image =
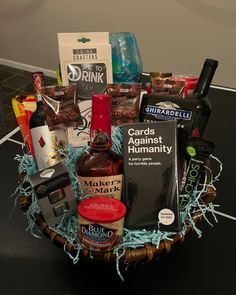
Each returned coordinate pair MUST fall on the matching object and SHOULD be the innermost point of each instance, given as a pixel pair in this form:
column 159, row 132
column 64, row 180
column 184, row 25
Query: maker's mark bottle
column 99, row 169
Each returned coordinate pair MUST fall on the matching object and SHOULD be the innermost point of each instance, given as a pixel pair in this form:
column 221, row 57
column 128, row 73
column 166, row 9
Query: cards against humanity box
column 52, row 187
column 150, row 173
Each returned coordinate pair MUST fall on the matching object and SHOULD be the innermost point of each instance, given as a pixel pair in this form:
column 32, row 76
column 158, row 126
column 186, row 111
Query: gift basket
column 114, row 171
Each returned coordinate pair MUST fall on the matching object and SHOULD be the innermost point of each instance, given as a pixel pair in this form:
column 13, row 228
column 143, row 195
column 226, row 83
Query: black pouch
column 200, row 151
column 164, row 108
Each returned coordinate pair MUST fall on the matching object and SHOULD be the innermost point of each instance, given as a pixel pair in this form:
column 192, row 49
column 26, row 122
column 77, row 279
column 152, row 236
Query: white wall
column 173, row 35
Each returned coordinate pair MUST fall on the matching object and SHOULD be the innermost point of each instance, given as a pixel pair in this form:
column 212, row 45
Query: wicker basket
column 147, row 253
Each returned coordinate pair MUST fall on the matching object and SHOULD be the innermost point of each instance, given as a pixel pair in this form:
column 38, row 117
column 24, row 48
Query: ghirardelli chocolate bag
column 164, row 108
column 85, row 59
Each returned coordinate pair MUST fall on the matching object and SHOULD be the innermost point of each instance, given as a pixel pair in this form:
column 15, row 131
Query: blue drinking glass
column 127, row 65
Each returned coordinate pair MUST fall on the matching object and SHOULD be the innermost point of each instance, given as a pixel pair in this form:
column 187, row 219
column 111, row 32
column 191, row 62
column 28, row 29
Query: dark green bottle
column 201, row 93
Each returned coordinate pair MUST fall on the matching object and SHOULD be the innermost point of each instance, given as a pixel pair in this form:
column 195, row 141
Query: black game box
column 151, row 191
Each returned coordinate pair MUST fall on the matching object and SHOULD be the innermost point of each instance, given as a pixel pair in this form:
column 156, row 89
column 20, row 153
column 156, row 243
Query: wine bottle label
column 109, row 186
column 46, row 145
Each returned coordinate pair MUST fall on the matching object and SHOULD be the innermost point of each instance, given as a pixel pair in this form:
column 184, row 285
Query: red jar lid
column 101, row 209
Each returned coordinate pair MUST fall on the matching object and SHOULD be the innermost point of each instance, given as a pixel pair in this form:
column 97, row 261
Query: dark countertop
column 198, row 266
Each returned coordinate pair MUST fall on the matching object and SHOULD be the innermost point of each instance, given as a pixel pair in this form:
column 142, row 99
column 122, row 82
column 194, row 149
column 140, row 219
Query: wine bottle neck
column 100, row 129
column 38, row 97
column 205, row 79
column 38, row 84
column 100, row 141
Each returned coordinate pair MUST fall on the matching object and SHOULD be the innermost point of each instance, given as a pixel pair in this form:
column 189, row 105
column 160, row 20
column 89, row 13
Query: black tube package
column 199, row 151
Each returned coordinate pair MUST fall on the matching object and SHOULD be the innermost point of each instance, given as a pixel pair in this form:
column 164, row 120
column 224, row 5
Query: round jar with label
column 101, row 221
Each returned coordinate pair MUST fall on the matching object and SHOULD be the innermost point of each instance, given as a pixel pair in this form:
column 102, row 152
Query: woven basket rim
column 148, row 252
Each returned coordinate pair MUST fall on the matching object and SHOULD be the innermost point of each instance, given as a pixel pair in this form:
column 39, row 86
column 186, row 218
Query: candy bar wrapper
column 30, row 106
column 176, row 86
column 85, row 59
column 23, row 107
column 125, row 100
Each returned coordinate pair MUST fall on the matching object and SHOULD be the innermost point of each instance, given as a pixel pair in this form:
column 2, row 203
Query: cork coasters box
column 86, row 60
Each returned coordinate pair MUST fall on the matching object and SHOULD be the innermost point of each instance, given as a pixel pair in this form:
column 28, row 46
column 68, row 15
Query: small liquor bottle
column 201, row 93
column 99, row 169
column 46, row 143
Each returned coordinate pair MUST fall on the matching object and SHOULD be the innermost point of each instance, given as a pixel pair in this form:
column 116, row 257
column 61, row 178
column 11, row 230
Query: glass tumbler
column 127, row 65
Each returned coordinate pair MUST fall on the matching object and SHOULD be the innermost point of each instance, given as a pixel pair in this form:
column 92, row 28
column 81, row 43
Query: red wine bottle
column 46, row 143
column 201, row 93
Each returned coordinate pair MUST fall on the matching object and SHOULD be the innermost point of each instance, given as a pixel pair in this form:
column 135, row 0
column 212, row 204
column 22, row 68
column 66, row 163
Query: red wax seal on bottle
column 101, row 118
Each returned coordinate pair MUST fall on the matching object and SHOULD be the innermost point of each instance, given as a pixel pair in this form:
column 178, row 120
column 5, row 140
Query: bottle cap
column 211, row 62
column 38, row 81
column 101, row 104
column 38, row 84
column 101, row 209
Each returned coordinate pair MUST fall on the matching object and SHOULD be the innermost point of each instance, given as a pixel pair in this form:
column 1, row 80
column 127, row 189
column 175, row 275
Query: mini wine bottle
column 46, row 143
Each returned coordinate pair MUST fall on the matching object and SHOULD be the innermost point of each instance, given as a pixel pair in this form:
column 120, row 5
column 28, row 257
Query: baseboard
column 25, row 67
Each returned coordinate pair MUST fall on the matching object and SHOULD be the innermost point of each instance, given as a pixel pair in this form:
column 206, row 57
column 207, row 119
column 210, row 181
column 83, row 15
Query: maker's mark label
column 107, row 186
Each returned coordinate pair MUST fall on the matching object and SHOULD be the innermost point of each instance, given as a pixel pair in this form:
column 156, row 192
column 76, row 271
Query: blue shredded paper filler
column 67, row 228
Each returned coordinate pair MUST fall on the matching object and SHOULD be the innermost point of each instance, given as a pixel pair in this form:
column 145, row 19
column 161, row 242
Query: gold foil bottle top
column 160, row 75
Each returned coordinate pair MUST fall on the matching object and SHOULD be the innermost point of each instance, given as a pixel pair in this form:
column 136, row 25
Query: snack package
column 199, row 151
column 24, row 106
column 125, row 99
column 85, row 59
column 176, row 86
column 61, row 108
